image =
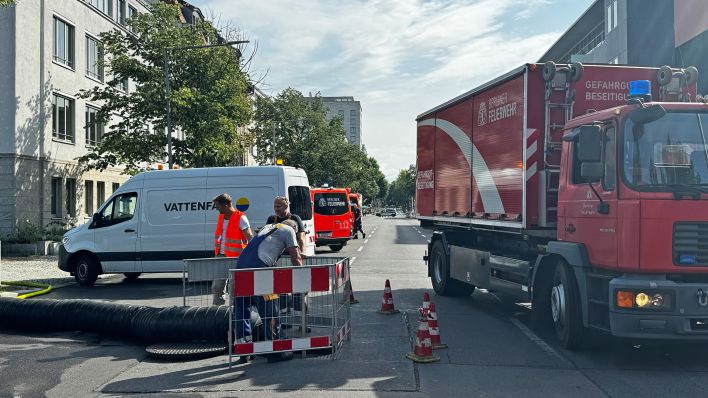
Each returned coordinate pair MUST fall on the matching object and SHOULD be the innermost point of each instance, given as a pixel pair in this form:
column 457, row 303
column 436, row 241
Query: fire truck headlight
column 645, row 300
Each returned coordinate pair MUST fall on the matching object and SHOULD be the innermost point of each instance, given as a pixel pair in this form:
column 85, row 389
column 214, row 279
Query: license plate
column 324, row 234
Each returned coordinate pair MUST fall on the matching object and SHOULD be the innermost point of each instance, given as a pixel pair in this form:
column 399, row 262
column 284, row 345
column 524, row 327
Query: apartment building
column 48, row 53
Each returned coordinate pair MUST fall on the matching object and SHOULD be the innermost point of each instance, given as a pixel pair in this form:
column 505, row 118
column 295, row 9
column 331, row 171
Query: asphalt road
column 493, row 350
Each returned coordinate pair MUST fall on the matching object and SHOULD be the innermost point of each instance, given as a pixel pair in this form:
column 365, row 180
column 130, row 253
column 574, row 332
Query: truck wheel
column 691, row 75
column 442, row 283
column 336, row 248
column 565, row 307
column 664, row 75
column 131, row 276
column 576, row 71
column 86, row 270
column 549, row 71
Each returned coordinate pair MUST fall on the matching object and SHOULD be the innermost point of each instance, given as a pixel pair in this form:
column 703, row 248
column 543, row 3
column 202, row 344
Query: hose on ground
column 147, row 324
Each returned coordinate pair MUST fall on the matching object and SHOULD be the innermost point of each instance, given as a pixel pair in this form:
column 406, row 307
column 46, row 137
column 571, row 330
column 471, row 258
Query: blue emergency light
column 640, row 89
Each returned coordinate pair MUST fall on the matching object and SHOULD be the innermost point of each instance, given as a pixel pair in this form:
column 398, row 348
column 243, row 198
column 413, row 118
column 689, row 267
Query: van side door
column 116, row 233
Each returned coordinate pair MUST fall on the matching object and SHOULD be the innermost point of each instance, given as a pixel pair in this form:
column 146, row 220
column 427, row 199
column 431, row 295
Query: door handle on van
column 129, row 230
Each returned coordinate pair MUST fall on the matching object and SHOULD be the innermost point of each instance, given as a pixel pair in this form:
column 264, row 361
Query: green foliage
column 209, row 95
column 401, row 192
column 295, row 129
column 26, row 232
column 4, row 3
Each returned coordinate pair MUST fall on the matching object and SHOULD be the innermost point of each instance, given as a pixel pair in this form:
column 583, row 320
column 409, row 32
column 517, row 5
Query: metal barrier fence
column 285, row 308
column 197, row 278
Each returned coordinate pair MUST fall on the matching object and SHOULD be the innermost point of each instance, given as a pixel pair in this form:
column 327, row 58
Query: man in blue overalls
column 263, row 251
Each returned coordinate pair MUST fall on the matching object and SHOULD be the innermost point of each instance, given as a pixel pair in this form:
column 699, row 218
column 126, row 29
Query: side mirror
column 647, row 114
column 592, row 170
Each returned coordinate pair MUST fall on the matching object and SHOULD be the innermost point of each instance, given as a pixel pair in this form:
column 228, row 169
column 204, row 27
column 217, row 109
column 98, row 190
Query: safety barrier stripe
column 261, row 347
column 343, row 331
column 249, row 282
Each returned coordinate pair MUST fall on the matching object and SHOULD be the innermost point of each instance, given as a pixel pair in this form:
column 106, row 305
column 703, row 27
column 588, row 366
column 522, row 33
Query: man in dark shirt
column 357, row 221
column 282, row 213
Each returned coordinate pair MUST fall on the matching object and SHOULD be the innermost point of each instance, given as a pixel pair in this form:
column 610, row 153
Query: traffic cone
column 423, row 351
column 387, row 302
column 434, row 329
column 348, row 291
column 426, row 301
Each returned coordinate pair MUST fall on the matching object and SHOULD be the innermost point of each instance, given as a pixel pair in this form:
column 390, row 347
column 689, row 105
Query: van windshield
column 331, row 204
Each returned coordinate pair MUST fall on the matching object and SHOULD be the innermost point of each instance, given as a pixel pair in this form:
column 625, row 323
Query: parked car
column 390, row 212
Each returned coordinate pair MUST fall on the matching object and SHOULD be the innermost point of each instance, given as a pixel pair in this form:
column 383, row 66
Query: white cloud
column 399, row 58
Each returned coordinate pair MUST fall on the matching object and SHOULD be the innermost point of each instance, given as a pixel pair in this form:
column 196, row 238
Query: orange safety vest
column 235, row 239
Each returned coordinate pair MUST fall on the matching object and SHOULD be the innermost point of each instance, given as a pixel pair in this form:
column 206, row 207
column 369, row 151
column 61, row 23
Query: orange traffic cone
column 434, row 329
column 426, row 301
column 387, row 302
column 423, row 351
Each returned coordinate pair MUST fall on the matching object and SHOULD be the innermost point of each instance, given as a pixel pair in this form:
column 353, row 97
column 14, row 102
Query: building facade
column 640, row 33
column 48, row 53
column 350, row 111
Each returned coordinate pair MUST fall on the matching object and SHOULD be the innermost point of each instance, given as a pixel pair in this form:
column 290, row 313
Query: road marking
column 542, row 344
column 359, row 249
column 422, row 235
column 366, row 241
column 352, row 260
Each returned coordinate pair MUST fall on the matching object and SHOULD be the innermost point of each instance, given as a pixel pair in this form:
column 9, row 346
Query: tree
column 295, row 129
column 4, row 3
column 209, row 95
column 401, row 192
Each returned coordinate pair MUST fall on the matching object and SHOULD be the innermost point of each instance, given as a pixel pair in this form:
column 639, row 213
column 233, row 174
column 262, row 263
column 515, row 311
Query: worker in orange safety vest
column 232, row 234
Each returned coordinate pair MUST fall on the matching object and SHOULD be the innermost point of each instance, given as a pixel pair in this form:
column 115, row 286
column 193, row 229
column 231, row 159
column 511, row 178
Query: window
column 611, row 16
column 610, row 160
column 120, row 14
column 100, row 193
column 71, row 197
column 131, row 12
column 115, row 186
column 300, row 203
column 105, row 6
column 63, row 43
column 352, row 130
column 56, row 197
column 615, row 61
column 120, row 209
column 577, row 179
column 94, row 128
column 94, row 58
column 331, row 204
column 123, row 85
column 88, row 197
column 62, row 118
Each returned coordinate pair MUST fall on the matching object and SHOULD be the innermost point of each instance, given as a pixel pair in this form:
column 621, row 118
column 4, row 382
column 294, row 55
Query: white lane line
column 542, row 344
column 422, row 235
column 360, row 248
column 366, row 241
column 352, row 260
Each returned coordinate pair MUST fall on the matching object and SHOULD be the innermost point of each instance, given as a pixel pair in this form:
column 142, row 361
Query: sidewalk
column 39, row 269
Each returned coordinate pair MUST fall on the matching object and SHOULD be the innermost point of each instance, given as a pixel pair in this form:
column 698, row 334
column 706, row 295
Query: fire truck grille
column 690, row 243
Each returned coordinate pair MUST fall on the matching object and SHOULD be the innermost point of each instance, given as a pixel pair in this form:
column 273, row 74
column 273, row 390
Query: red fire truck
column 566, row 186
column 332, row 215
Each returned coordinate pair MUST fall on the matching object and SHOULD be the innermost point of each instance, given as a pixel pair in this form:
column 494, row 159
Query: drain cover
column 186, row 350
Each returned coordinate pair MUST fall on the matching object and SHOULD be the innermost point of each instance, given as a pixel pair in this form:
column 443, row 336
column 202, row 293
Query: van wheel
column 565, row 307
column 336, row 248
column 87, row 270
column 440, row 276
column 131, row 276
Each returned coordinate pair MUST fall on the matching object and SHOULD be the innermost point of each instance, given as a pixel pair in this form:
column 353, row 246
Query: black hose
column 143, row 323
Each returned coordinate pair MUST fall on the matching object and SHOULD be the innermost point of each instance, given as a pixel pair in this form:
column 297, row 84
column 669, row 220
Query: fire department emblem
column 482, row 115
column 588, row 194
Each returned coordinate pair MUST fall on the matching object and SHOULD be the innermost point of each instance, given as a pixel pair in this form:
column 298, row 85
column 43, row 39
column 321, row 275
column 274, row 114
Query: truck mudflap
column 675, row 311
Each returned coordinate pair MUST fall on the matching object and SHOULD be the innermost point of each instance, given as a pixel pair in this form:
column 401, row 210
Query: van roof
column 215, row 171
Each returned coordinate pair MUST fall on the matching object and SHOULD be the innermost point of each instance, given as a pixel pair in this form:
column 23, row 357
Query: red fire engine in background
column 332, row 214
column 567, row 187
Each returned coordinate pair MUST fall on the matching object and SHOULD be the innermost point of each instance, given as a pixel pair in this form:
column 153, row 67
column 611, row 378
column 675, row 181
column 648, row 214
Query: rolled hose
column 147, row 324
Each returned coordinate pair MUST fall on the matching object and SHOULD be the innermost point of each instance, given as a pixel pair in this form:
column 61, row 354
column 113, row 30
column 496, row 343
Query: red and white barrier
column 264, row 347
column 253, row 282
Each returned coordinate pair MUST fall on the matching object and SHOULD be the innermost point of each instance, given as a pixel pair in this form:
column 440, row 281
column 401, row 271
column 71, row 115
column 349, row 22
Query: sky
column 399, row 58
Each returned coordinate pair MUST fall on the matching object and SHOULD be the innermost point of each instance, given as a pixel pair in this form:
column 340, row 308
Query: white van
column 158, row 218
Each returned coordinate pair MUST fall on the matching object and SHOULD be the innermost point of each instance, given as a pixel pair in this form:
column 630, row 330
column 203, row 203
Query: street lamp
column 168, row 125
